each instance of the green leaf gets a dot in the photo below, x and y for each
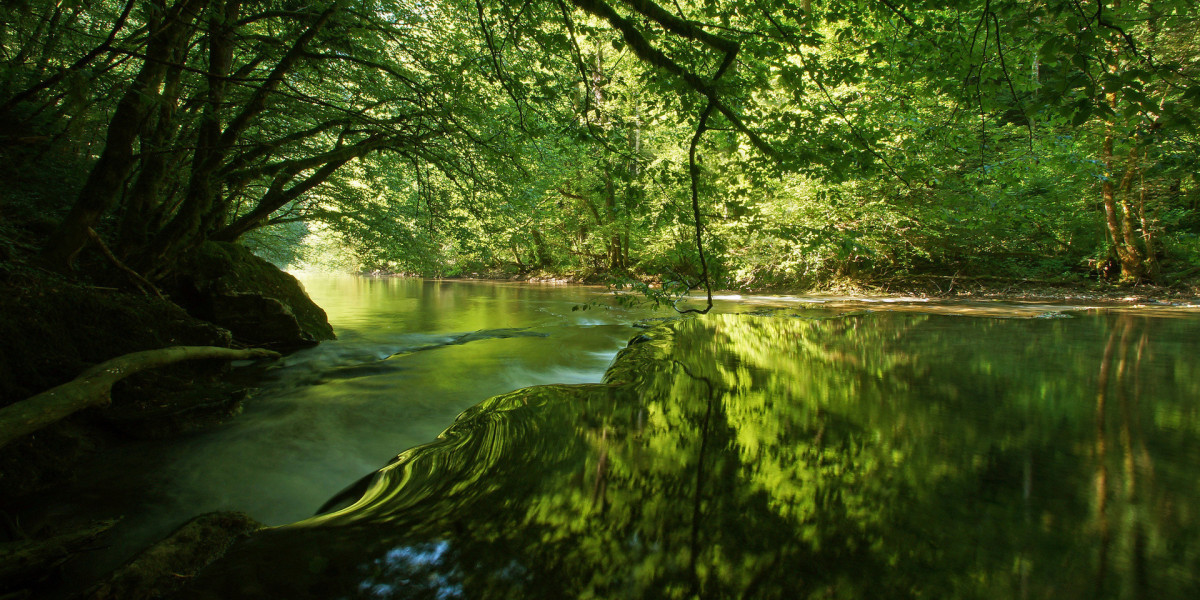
(1080, 61)
(1083, 112)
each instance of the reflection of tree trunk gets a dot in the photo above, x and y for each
(1129, 464)
(1136, 463)
(700, 489)
(1026, 493)
(696, 504)
(1101, 458)
(601, 483)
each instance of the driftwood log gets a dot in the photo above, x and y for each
(94, 386)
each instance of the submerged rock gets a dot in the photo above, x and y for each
(165, 567)
(261, 305)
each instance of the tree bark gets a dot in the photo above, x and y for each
(202, 207)
(1118, 213)
(92, 388)
(107, 178)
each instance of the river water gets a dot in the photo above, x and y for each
(410, 356)
(840, 447)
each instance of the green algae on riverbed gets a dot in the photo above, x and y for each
(872, 455)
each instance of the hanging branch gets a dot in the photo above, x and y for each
(655, 57)
(694, 174)
(494, 54)
(706, 87)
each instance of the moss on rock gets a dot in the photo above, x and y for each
(228, 285)
(165, 567)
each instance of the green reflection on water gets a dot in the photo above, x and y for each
(876, 455)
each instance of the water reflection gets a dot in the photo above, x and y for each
(874, 455)
(410, 356)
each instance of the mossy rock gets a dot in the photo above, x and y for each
(164, 568)
(260, 304)
(54, 328)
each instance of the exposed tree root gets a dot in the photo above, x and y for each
(146, 287)
(93, 387)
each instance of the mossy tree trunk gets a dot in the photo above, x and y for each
(106, 181)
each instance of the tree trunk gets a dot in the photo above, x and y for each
(1116, 213)
(93, 387)
(143, 207)
(539, 247)
(611, 225)
(202, 211)
(1120, 221)
(107, 178)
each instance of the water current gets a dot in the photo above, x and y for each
(827, 447)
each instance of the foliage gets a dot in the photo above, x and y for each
(826, 140)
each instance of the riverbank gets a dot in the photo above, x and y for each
(1002, 288)
(222, 304)
(947, 287)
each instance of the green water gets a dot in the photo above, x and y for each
(410, 356)
(886, 454)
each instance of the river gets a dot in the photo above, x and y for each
(841, 447)
(410, 356)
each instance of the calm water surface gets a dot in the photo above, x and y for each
(825, 451)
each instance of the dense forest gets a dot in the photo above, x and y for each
(749, 143)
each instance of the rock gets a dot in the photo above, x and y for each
(261, 305)
(29, 562)
(164, 568)
(53, 329)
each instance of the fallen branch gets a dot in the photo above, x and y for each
(93, 387)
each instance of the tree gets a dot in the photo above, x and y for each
(744, 141)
